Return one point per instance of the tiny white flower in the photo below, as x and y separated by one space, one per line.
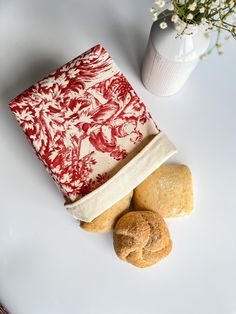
163 25
192 6
171 7
213 5
219 23
154 17
161 4
202 10
203 20
190 16
202 1
174 18
178 27
152 10
222 5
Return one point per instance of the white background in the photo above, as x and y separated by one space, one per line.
48 265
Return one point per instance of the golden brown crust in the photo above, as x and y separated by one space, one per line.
142 238
106 221
168 191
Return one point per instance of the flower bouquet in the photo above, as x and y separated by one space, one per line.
217 16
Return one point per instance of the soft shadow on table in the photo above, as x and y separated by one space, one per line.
130 38
108 240
14 140
34 71
133 49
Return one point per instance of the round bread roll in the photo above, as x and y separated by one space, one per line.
168 191
106 221
141 238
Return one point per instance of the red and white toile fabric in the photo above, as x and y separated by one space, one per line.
92 132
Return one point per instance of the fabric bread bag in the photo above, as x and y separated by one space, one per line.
92 132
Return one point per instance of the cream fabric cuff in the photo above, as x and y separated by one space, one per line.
156 152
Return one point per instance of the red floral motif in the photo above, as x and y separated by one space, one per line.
84 110
103 138
118 153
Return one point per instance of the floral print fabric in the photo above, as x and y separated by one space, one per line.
82 120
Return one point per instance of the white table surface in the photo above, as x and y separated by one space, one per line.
48 265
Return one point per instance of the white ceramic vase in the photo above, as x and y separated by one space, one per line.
169 60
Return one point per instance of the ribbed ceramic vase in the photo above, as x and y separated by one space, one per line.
170 59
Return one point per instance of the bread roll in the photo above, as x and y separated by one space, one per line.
168 191
106 221
141 238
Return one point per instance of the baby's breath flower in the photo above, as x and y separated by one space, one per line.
160 3
163 25
174 18
192 6
190 16
222 5
178 27
213 5
155 17
214 14
219 23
